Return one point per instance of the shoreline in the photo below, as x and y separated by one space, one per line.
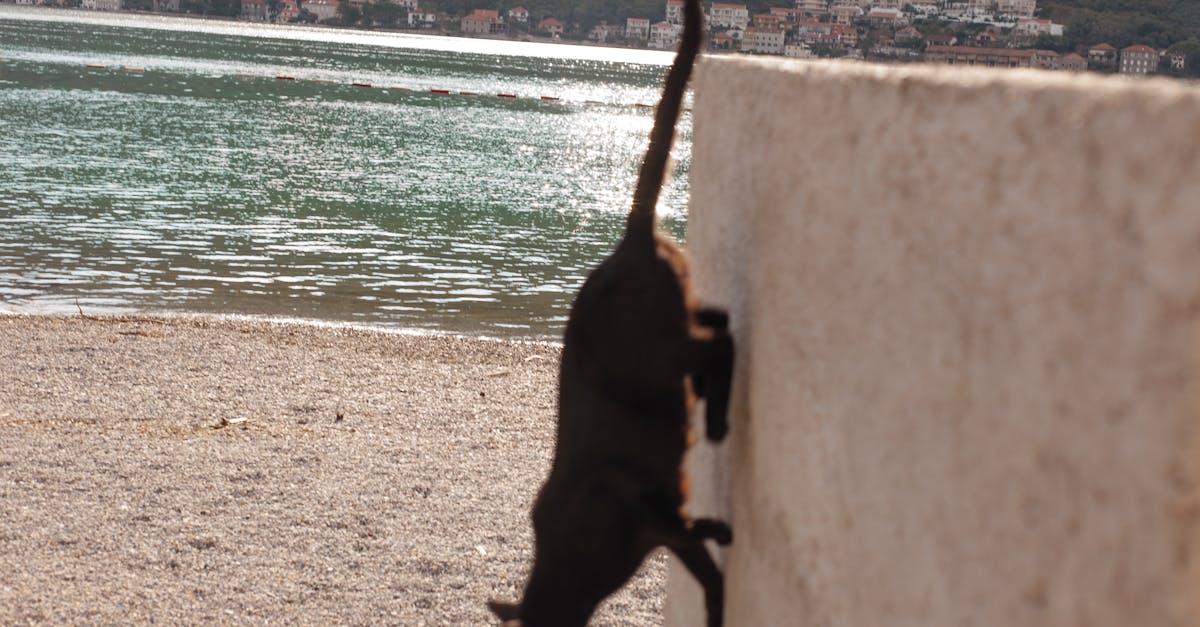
92 313
667 55
194 469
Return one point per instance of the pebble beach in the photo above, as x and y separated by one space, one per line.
206 470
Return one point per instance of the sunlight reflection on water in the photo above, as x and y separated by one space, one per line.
189 189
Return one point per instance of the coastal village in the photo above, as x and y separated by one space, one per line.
1003 33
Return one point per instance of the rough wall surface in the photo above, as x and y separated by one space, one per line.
967 306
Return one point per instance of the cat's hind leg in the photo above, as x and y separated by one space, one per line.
698 562
686 540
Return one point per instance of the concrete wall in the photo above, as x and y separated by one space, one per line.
967 307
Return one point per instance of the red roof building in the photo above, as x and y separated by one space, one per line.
1072 63
551 25
1138 60
1102 53
992 57
482 22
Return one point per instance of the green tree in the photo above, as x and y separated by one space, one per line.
387 14
349 14
1190 50
1158 23
1050 42
228 8
829 52
865 43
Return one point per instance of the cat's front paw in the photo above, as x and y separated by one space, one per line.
713 529
716 428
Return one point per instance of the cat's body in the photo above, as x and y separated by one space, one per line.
637 353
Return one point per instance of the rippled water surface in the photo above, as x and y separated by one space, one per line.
183 176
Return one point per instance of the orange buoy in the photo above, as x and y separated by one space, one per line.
549 98
439 91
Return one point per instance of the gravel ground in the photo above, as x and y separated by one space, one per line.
123 499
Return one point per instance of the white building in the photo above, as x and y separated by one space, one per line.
845 13
1019 8
551 25
637 28
954 10
797 51
420 18
887 17
601 32
734 16
675 11
1033 27
763 40
482 22
664 35
813 7
97 5
729 16
323 9
1139 59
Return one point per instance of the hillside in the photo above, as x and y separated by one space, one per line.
586 13
1158 23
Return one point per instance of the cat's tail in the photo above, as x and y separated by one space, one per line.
641 221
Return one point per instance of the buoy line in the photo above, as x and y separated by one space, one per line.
363 84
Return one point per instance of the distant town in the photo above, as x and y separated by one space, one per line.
1003 33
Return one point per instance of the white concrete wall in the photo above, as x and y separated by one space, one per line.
967 303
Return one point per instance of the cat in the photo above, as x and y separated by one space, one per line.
637 352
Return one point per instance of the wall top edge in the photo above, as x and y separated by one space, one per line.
932 74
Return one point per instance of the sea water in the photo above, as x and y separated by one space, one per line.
167 164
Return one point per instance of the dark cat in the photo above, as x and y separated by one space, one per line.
638 351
